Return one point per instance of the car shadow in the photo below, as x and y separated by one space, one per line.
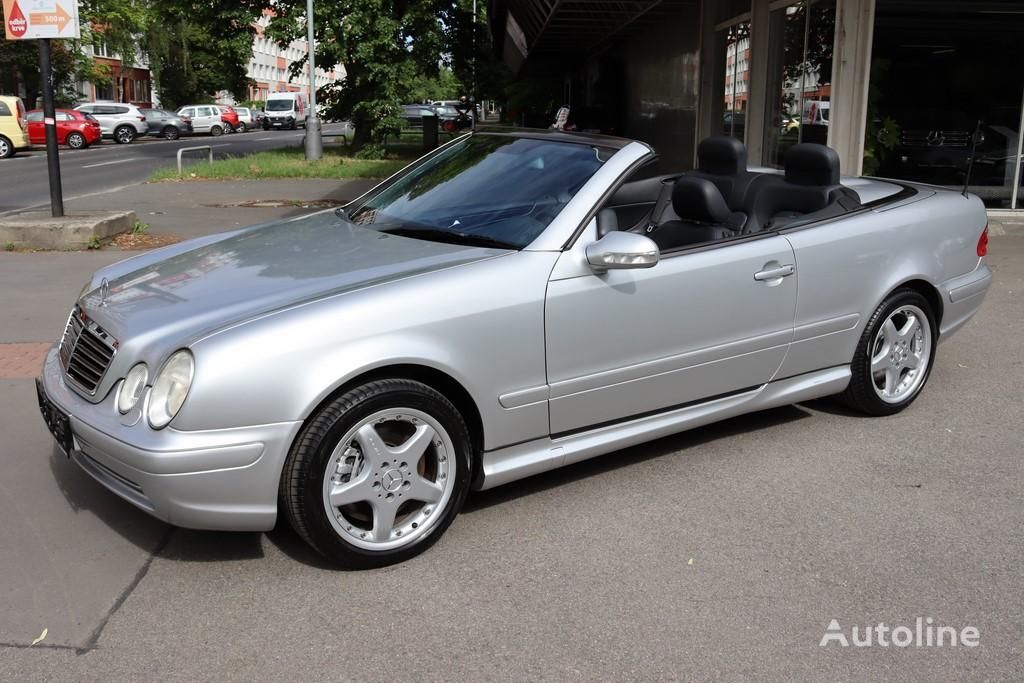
676 443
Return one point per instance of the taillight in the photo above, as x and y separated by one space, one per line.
983 242
141 118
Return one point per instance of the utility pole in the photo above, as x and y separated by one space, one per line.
314 144
50 124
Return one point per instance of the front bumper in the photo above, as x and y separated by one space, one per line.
224 479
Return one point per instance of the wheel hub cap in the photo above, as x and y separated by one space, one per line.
901 354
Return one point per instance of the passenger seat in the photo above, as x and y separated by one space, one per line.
703 216
722 160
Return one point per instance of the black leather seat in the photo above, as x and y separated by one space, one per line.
810 185
722 160
703 216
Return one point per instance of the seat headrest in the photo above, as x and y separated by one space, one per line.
699 201
721 155
809 163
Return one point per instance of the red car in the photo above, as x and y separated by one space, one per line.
75 129
230 117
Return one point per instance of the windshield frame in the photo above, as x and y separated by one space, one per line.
609 147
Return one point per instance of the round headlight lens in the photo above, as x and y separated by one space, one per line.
170 388
132 387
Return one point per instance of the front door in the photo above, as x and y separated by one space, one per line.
696 326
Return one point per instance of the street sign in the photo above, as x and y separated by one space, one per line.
33 19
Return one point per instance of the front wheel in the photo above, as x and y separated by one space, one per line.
6 148
894 356
378 474
124 134
241 127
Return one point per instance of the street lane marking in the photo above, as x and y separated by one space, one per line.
272 137
108 163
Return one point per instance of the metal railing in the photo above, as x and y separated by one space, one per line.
197 148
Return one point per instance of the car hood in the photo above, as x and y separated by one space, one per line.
200 287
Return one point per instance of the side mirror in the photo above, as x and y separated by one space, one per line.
618 250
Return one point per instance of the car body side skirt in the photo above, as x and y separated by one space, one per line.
541 455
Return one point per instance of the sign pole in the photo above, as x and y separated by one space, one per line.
49 119
314 144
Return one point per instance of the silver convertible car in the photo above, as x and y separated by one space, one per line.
512 302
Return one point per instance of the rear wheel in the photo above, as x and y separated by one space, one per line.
378 474
894 356
216 130
171 133
241 127
6 148
75 141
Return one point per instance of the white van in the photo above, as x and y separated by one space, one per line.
285 110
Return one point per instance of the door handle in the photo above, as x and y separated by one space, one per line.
775 273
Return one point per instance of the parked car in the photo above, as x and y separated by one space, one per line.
13 136
205 118
75 129
413 115
122 122
285 110
496 310
166 124
229 116
246 118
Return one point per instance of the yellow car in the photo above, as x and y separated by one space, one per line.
13 135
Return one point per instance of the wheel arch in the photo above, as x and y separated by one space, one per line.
929 291
436 379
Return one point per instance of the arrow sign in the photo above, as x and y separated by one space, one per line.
30 19
58 18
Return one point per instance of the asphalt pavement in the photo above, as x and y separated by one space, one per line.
99 169
720 553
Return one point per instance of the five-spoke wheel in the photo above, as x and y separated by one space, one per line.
894 356
378 473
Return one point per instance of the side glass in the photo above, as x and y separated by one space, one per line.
799 76
937 78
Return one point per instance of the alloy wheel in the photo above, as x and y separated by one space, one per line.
389 479
75 141
124 134
901 353
6 149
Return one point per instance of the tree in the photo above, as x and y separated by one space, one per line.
393 51
197 47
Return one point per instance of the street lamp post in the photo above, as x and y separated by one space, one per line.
314 144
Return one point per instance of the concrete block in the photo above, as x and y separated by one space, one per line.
40 230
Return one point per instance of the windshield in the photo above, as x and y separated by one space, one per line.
487 190
279 105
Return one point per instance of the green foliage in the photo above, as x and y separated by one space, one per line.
197 47
291 163
393 52
94 242
9 246
140 228
880 134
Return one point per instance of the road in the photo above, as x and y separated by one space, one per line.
720 553
23 178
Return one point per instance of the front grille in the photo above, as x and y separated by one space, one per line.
86 351
936 138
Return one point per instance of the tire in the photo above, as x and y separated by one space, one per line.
75 141
328 463
6 148
170 133
124 135
892 363
294 126
241 127
216 130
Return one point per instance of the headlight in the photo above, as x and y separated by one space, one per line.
170 388
132 388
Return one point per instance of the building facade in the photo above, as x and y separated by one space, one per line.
270 65
900 88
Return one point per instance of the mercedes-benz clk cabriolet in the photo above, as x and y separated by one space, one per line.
512 302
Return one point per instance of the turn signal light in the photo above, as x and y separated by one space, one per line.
983 242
